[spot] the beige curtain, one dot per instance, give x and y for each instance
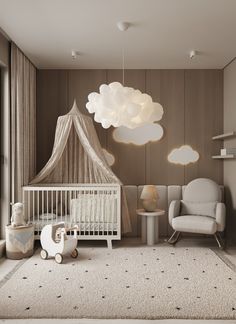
(77, 157)
(23, 121)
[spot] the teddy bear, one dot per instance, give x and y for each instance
(17, 218)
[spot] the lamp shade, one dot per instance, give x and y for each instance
(149, 192)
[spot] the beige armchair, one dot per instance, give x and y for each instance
(201, 211)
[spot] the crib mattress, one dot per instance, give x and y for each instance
(93, 226)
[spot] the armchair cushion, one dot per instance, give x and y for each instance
(194, 224)
(198, 208)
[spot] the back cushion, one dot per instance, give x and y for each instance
(196, 208)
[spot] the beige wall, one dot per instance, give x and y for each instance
(5, 135)
(230, 165)
(193, 113)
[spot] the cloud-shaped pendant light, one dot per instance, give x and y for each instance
(117, 106)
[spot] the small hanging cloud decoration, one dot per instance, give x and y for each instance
(138, 136)
(183, 155)
(117, 106)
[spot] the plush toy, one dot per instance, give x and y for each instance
(17, 218)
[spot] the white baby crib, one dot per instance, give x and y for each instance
(95, 208)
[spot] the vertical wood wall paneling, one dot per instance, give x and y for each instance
(203, 119)
(130, 159)
(167, 88)
(200, 90)
(51, 103)
(81, 83)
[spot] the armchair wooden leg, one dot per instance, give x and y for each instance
(174, 238)
(219, 241)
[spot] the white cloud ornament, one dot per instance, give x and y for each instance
(183, 155)
(117, 106)
(138, 136)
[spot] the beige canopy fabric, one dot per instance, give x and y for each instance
(77, 157)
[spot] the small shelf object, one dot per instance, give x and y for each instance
(222, 137)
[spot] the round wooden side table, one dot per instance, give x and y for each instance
(150, 225)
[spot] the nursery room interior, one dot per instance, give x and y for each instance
(118, 161)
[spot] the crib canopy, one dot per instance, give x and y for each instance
(77, 157)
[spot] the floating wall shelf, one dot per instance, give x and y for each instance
(228, 156)
(224, 136)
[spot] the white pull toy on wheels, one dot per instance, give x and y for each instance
(51, 247)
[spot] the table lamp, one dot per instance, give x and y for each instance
(149, 197)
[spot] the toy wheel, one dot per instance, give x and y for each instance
(58, 258)
(74, 254)
(44, 254)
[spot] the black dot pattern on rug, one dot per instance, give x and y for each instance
(127, 286)
(198, 297)
(147, 278)
(215, 287)
(126, 270)
(186, 278)
(106, 278)
(75, 307)
(107, 265)
(129, 307)
(49, 270)
(24, 278)
(172, 253)
(81, 287)
(89, 259)
(203, 271)
(27, 308)
(73, 264)
(178, 308)
(230, 278)
(179, 264)
(9, 296)
(154, 249)
(36, 264)
(67, 278)
(103, 296)
(40, 286)
(162, 271)
(59, 296)
(152, 296)
(158, 259)
(86, 270)
(169, 287)
(233, 308)
(145, 264)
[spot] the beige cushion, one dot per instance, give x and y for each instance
(196, 208)
(194, 224)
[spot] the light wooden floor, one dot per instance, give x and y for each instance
(7, 265)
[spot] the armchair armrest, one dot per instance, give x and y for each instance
(220, 216)
(174, 210)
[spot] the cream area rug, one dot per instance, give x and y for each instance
(137, 282)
